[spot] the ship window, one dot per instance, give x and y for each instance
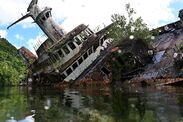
(83, 36)
(88, 31)
(69, 71)
(66, 50)
(75, 65)
(85, 55)
(63, 76)
(80, 60)
(77, 40)
(79, 37)
(88, 34)
(60, 53)
(47, 15)
(43, 18)
(90, 51)
(71, 45)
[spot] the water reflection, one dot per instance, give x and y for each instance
(29, 118)
(91, 105)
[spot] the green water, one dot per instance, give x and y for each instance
(92, 104)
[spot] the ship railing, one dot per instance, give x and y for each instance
(39, 41)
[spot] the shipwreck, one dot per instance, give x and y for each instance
(166, 67)
(76, 55)
(83, 55)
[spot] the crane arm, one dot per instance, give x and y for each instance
(22, 18)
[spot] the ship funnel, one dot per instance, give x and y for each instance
(33, 2)
(22, 18)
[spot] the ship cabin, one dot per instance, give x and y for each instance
(72, 55)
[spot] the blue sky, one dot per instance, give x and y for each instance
(24, 34)
(70, 13)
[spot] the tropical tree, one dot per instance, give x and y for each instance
(12, 68)
(129, 27)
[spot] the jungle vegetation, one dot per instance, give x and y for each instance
(133, 39)
(12, 67)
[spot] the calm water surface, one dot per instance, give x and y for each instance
(91, 105)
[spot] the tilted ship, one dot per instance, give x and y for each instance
(65, 56)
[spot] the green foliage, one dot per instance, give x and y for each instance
(6, 46)
(124, 27)
(12, 68)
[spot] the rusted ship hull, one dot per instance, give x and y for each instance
(167, 50)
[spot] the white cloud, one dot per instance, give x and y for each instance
(97, 12)
(154, 11)
(3, 33)
(10, 10)
(28, 23)
(19, 37)
(180, 1)
(92, 12)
